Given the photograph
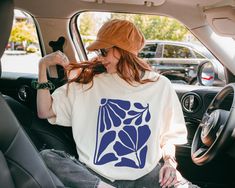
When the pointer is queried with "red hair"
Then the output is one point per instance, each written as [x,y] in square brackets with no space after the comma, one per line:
[130,68]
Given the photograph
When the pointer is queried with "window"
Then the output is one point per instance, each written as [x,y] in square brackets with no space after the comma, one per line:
[22,52]
[171,51]
[149,51]
[170,48]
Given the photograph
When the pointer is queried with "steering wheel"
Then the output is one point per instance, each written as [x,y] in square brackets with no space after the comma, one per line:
[216,128]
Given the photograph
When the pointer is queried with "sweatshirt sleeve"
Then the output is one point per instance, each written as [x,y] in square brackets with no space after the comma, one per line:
[61,106]
[174,130]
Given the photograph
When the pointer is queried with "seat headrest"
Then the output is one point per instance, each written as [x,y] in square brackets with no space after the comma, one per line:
[6,19]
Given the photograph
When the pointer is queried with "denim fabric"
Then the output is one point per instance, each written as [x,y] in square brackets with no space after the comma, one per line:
[69,170]
[74,174]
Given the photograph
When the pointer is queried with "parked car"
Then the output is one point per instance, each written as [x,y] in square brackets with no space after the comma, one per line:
[178,60]
[208,159]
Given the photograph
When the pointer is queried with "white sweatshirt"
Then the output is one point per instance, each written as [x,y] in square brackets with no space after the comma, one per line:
[120,129]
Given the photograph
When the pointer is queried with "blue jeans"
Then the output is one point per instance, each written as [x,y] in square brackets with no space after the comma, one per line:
[75,174]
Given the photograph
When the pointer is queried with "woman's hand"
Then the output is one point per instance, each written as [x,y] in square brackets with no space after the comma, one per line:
[55,58]
[168,175]
[44,100]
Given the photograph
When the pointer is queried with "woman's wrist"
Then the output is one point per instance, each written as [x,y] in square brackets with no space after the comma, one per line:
[171,160]
[42,75]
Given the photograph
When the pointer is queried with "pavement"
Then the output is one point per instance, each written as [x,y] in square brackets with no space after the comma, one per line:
[20,62]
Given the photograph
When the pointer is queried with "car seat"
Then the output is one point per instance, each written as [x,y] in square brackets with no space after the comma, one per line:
[20,163]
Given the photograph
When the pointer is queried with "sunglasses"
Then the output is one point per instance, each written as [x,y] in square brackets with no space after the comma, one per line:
[102,52]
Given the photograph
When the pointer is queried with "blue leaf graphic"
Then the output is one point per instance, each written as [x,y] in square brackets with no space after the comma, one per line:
[121,149]
[138,121]
[101,118]
[123,104]
[126,140]
[115,119]
[119,111]
[127,162]
[132,112]
[130,148]
[132,132]
[143,135]
[138,105]
[148,116]
[128,121]
[143,153]
[107,119]
[107,158]
[105,141]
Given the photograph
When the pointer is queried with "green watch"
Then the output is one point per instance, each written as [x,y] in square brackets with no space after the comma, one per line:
[46,85]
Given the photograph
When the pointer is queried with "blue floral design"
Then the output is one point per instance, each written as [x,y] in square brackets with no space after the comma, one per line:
[112,112]
[132,140]
[122,143]
[138,115]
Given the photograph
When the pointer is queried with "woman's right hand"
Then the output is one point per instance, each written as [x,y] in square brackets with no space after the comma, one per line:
[44,100]
[55,58]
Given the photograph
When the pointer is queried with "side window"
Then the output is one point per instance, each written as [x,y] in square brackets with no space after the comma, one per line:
[170,48]
[22,52]
[171,51]
[149,51]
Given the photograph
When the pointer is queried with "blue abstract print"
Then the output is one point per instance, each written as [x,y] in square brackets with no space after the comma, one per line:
[122,133]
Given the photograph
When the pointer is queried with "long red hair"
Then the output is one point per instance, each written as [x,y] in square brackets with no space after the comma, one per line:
[130,68]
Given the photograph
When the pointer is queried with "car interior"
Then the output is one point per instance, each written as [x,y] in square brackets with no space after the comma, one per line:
[207,160]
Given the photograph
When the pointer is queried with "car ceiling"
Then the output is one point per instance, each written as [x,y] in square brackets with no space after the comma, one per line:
[199,16]
[174,8]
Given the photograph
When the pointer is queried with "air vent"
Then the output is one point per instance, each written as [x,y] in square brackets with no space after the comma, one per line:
[191,102]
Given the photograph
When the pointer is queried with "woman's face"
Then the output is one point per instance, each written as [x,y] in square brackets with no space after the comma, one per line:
[110,59]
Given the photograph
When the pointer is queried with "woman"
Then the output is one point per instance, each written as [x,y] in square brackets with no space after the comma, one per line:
[125,117]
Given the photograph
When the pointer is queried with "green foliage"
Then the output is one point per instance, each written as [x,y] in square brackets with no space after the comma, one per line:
[23,31]
[156,27]
[153,27]
[31,49]
[86,24]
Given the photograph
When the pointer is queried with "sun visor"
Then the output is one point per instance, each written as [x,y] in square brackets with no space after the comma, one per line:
[132,2]
[222,20]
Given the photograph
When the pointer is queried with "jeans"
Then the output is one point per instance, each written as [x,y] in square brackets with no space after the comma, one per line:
[75,174]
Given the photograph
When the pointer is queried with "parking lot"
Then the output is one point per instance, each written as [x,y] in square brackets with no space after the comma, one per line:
[20,62]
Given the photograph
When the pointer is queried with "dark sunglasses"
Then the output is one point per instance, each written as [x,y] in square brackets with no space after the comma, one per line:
[102,52]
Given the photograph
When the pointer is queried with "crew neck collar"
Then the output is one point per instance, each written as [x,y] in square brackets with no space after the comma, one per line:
[122,83]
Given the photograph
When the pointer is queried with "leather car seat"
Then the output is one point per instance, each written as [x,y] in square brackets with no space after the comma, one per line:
[20,163]
[41,132]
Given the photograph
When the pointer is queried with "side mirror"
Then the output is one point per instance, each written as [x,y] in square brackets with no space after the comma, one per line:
[211,74]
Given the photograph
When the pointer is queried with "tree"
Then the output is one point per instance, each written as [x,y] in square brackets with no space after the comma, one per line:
[23,31]
[156,27]
[86,23]
[87,27]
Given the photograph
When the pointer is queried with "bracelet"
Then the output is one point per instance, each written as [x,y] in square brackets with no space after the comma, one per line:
[46,85]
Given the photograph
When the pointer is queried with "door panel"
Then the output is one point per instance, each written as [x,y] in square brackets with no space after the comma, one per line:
[19,88]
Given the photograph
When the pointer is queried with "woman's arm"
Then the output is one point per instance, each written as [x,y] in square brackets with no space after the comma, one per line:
[44,99]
